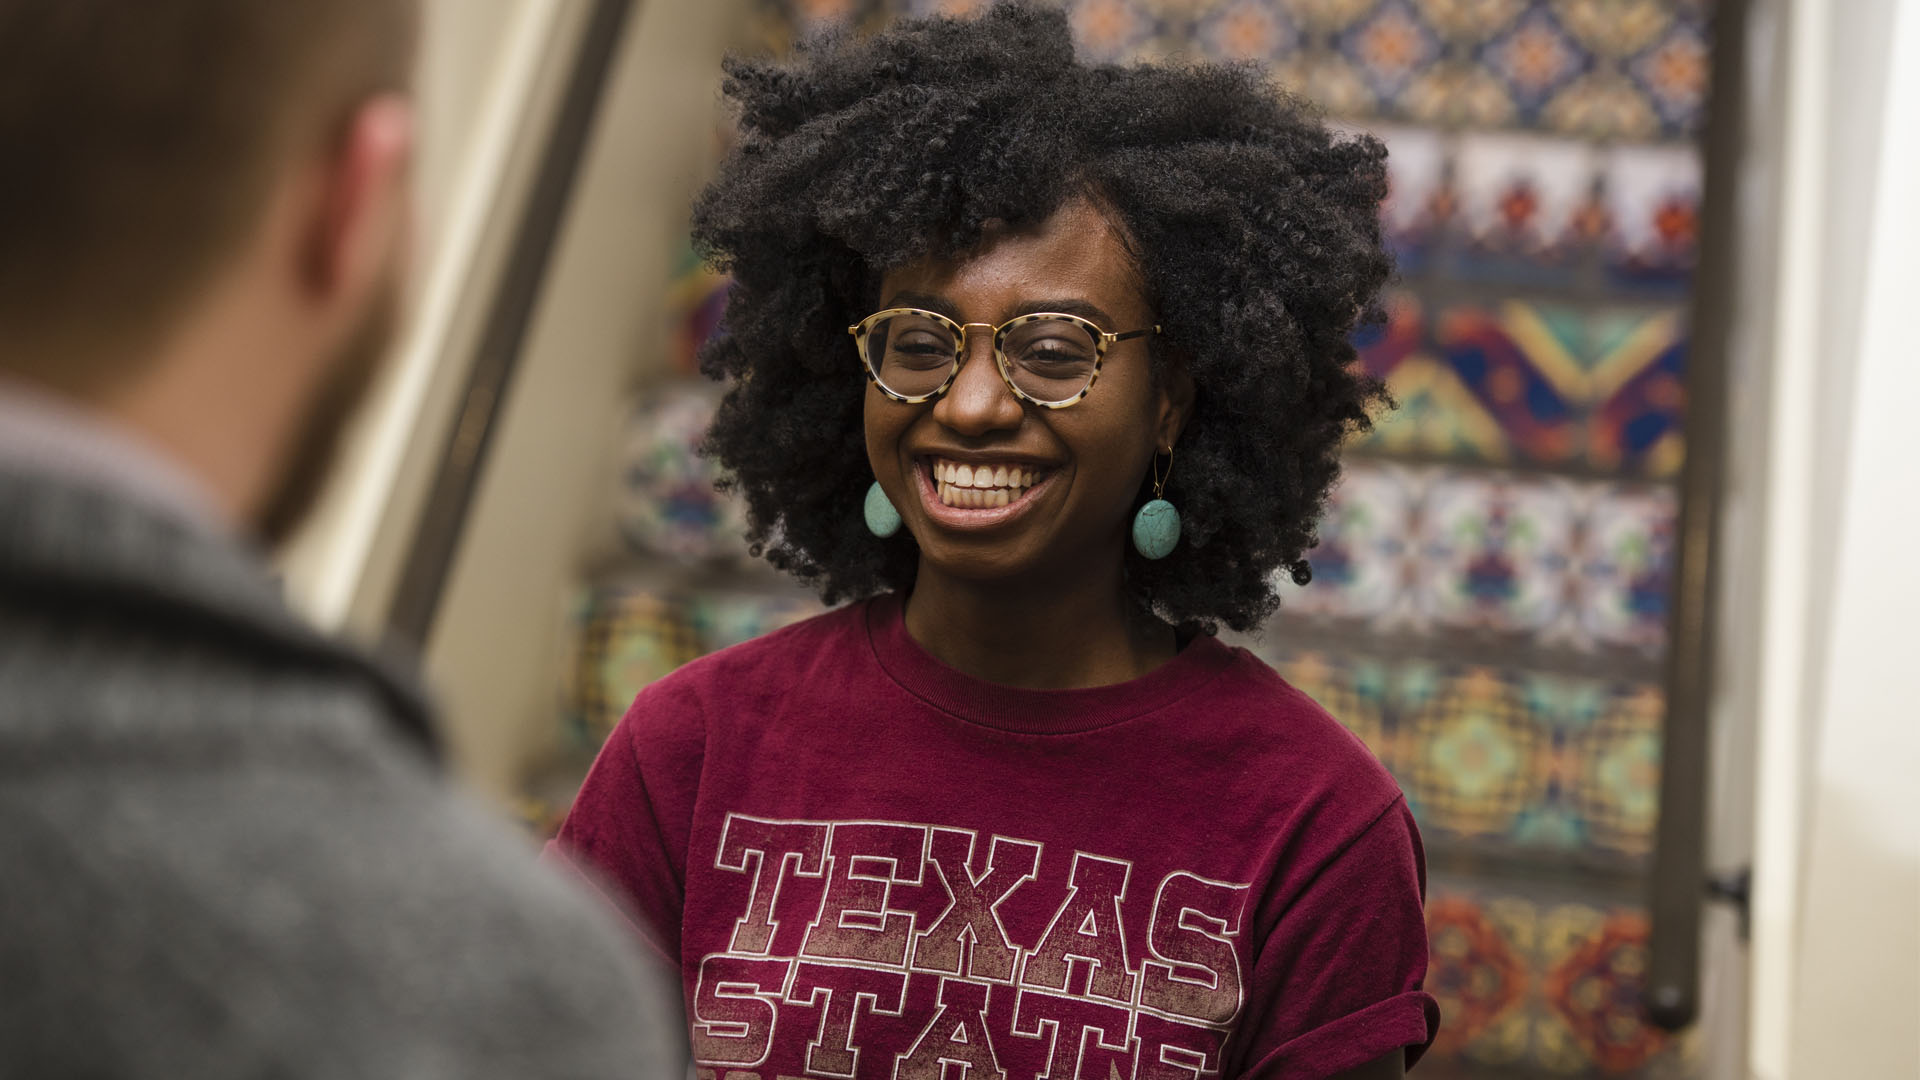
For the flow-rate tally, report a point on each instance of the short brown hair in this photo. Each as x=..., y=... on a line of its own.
x=139, y=141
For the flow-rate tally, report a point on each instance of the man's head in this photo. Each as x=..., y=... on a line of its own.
x=203, y=220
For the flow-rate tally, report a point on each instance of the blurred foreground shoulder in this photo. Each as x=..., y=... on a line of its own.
x=344, y=915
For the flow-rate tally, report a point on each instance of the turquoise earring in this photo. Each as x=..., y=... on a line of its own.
x=1156, y=526
x=882, y=519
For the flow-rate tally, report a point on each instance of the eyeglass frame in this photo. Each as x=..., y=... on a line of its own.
x=1102, y=341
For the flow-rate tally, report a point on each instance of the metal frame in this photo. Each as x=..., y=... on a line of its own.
x=1678, y=886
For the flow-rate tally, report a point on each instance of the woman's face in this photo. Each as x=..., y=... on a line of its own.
x=1062, y=510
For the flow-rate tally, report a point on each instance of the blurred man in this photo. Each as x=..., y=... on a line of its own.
x=224, y=851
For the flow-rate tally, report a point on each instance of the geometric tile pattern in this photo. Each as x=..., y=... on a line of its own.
x=665, y=504
x=1431, y=549
x=696, y=298
x=1597, y=69
x=1537, y=383
x=622, y=640
x=626, y=635
x=1531, y=985
x=1534, y=210
x=1500, y=761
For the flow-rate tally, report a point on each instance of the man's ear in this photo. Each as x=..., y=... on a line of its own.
x=361, y=218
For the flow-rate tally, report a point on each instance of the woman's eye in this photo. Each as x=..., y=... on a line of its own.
x=920, y=354
x=1052, y=355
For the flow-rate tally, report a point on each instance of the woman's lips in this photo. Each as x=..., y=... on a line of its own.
x=972, y=495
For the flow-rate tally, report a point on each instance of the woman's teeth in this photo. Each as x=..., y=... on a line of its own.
x=981, y=485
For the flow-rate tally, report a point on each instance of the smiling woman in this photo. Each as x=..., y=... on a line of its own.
x=1242, y=228
x=1102, y=316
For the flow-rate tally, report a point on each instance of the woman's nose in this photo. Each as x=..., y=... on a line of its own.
x=979, y=400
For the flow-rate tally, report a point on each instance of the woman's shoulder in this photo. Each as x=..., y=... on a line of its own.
x=1280, y=730
x=771, y=663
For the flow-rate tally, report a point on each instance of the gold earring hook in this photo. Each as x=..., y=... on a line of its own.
x=1160, y=478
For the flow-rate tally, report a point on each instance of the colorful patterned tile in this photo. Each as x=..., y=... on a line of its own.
x=721, y=619
x=1493, y=552
x=1399, y=337
x=1639, y=391
x=1336, y=84
x=1420, y=199
x=1496, y=761
x=1582, y=566
x=1673, y=72
x=1436, y=415
x=1534, y=57
x=1615, y=28
x=1480, y=973
x=1260, y=30
x=798, y=18
x=1624, y=568
x=1525, y=367
x=1468, y=751
x=1598, y=69
x=1389, y=47
x=696, y=298
x=1359, y=566
x=1653, y=199
x=666, y=503
x=626, y=634
x=1594, y=965
x=624, y=638
x=1615, y=789
x=1601, y=388
x=1456, y=95
x=1111, y=30
x=1602, y=105
x=1541, y=986
x=1469, y=22
x=949, y=8
x=1328, y=17
x=1523, y=197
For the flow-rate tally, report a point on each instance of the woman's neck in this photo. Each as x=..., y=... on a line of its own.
x=1038, y=639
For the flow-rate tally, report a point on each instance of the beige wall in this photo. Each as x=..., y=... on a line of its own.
x=489, y=77
x=485, y=71
x=494, y=652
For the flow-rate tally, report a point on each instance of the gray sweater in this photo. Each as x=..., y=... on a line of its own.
x=225, y=850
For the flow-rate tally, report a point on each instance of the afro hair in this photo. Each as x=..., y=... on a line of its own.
x=1254, y=226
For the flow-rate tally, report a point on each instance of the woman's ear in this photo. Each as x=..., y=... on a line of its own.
x=1175, y=405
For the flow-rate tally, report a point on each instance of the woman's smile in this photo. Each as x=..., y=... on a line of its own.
x=976, y=493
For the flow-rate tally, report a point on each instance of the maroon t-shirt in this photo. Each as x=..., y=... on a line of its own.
x=868, y=864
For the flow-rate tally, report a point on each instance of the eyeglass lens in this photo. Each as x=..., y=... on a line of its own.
x=1049, y=359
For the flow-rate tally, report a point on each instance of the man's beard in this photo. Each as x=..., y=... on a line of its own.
x=310, y=458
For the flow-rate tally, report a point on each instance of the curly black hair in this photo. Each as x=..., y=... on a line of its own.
x=1254, y=226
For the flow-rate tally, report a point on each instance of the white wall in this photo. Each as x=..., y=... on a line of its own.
x=1858, y=983
x=1831, y=673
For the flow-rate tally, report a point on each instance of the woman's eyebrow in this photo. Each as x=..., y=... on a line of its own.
x=945, y=306
x=1083, y=308
x=926, y=301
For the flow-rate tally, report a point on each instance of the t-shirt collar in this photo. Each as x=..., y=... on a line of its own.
x=1042, y=712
